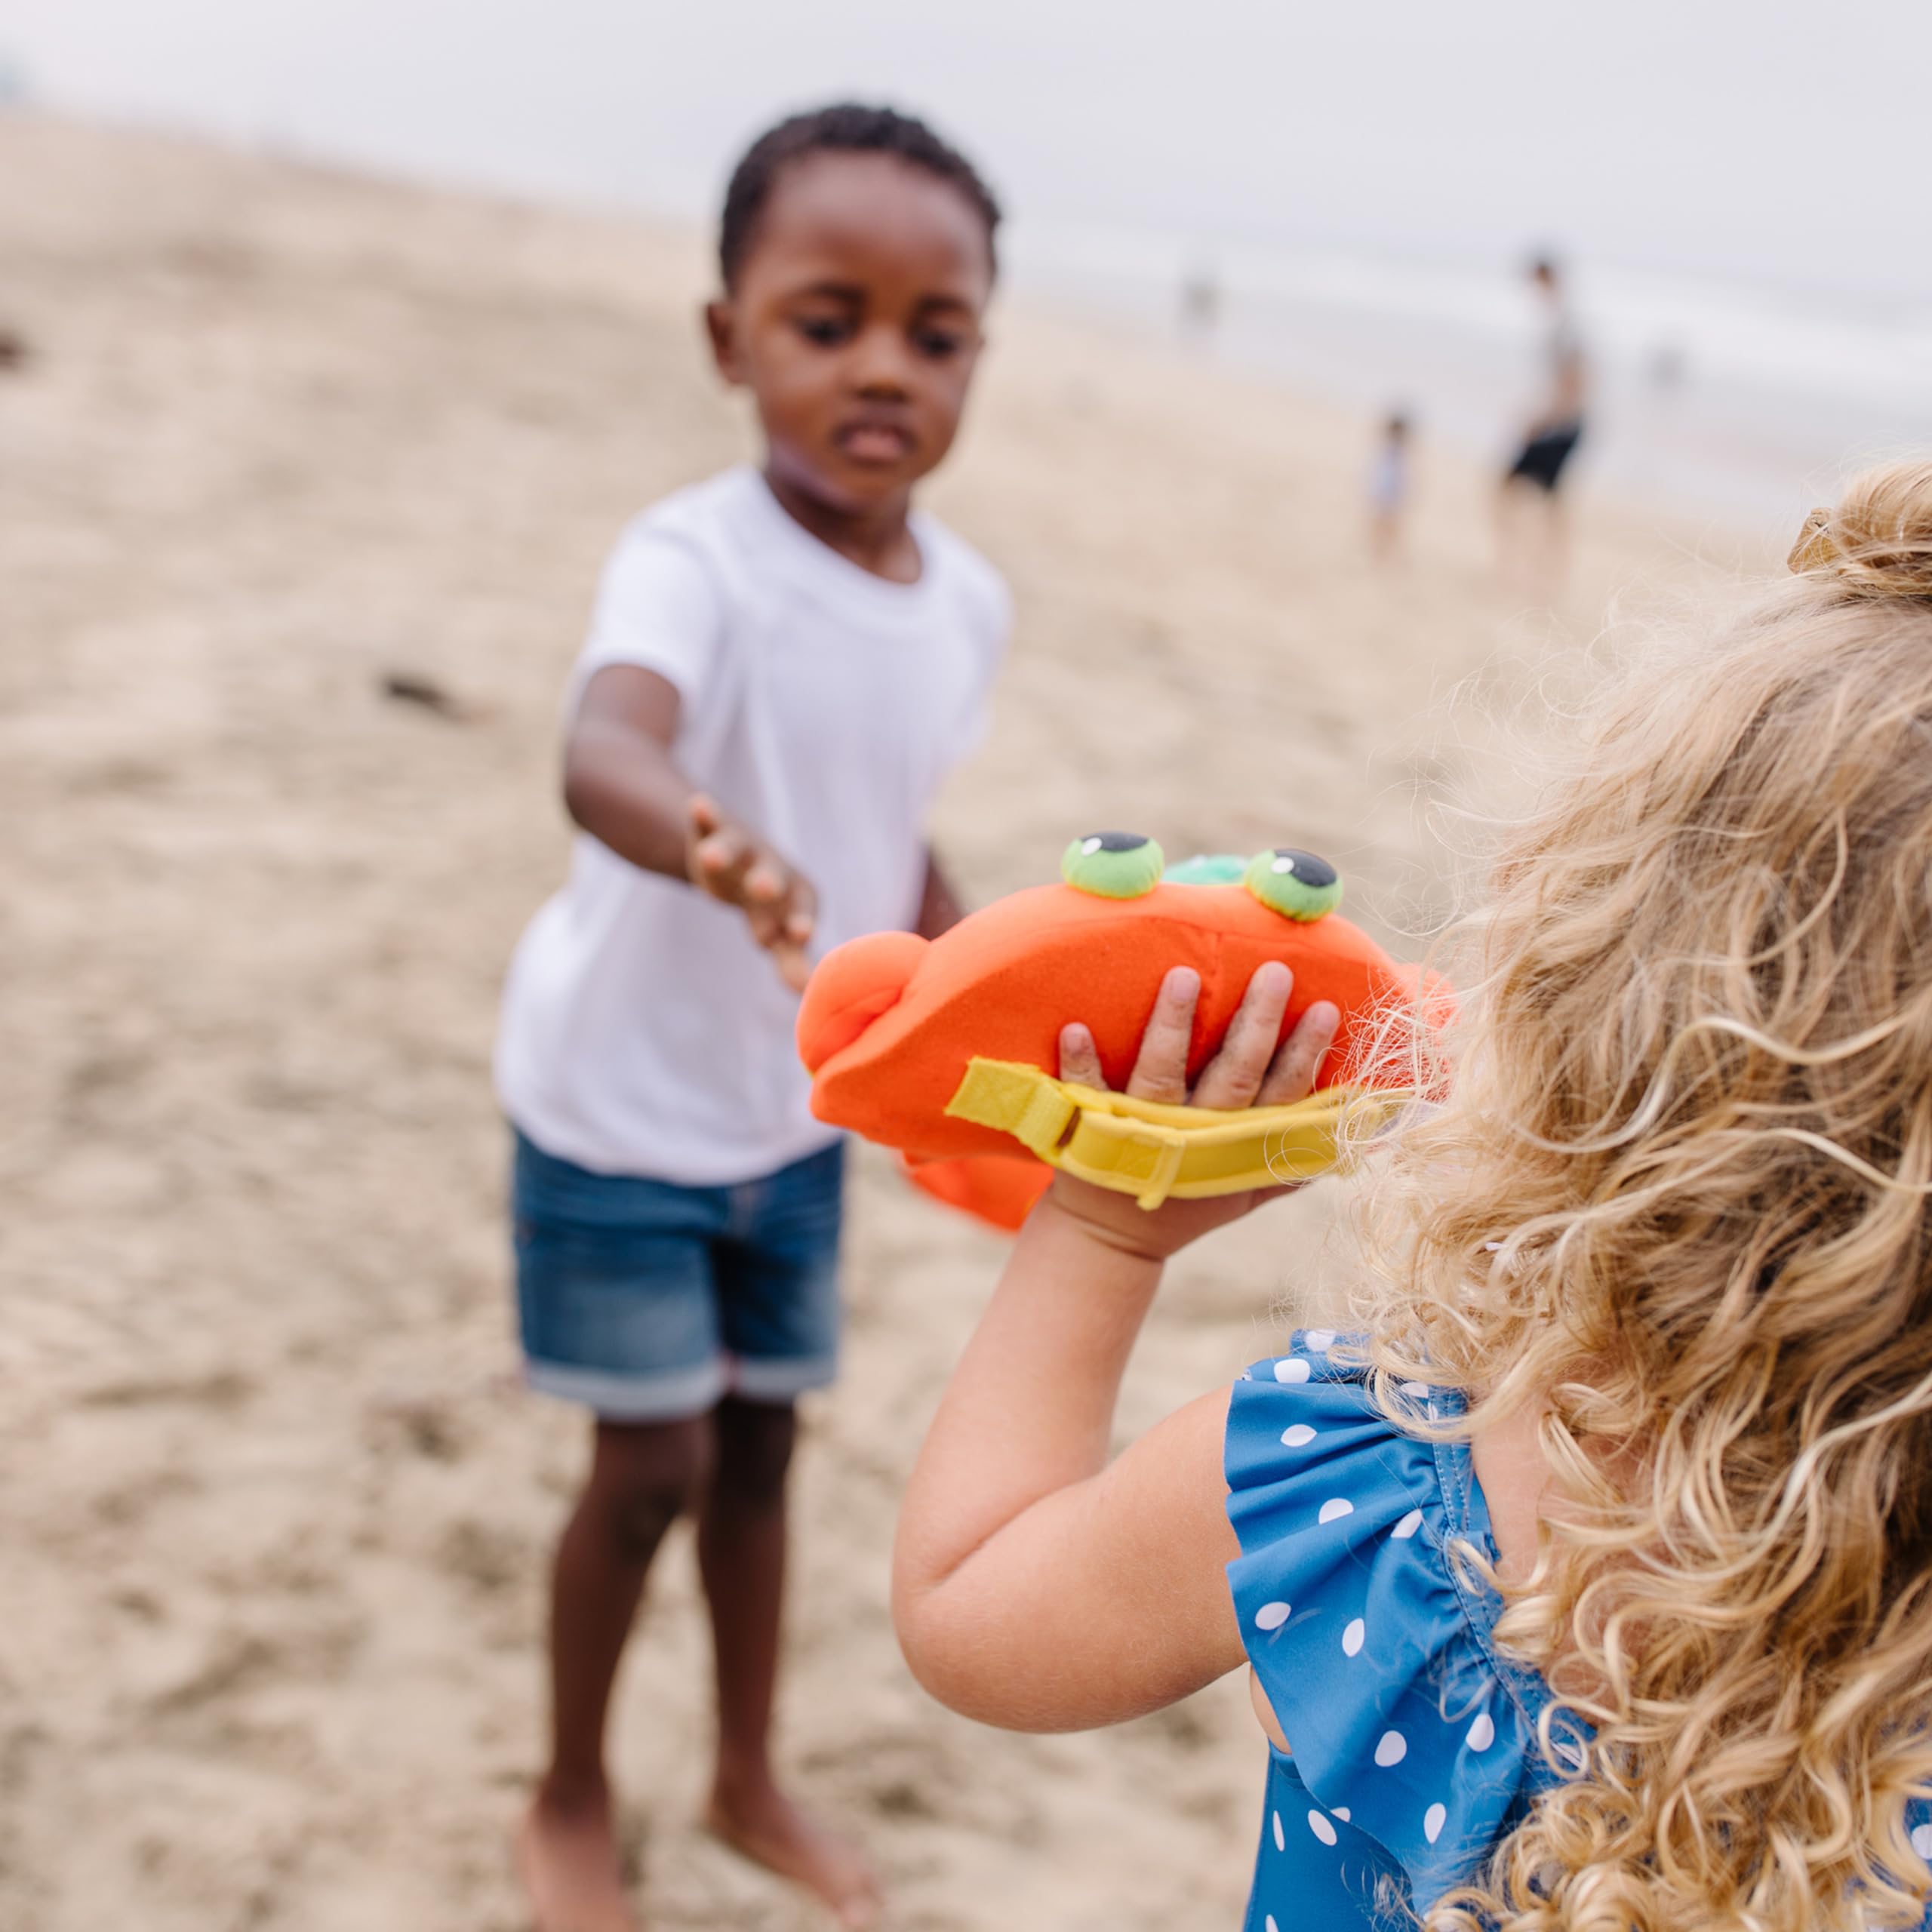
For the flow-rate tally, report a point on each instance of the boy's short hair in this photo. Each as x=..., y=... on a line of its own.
x=846, y=128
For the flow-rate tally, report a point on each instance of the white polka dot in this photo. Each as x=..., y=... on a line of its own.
x=1391, y=1749
x=1321, y=1827
x=1407, y=1527
x=1268, y=1922
x=1281, y=1836
x=1295, y=1437
x=1921, y=1841
x=1482, y=1732
x=1336, y=1506
x=1291, y=1370
x=1352, y=1636
x=1342, y=1812
x=1271, y=1616
x=1416, y=1391
x=1433, y=1820
x=1320, y=1339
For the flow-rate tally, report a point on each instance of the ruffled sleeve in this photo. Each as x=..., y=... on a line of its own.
x=1373, y=1645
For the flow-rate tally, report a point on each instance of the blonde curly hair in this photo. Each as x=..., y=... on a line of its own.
x=1687, y=1148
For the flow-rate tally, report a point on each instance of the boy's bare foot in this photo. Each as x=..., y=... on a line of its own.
x=567, y=1857
x=761, y=1823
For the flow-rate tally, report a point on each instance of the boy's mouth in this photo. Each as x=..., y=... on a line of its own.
x=871, y=442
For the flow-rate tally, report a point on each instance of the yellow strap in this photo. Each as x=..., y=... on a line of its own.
x=1153, y=1150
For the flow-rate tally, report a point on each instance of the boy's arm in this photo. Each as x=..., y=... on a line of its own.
x=940, y=908
x=622, y=785
x=620, y=782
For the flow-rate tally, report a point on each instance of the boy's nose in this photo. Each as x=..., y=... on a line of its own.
x=882, y=367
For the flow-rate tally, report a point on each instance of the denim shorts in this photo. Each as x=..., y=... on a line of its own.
x=647, y=1301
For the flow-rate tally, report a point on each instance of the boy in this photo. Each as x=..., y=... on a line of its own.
x=783, y=664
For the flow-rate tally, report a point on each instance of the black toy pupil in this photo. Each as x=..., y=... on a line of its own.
x=1309, y=869
x=1116, y=841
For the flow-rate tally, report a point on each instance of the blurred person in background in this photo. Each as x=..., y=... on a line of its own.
x=1531, y=524
x=1200, y=302
x=784, y=663
x=1388, y=486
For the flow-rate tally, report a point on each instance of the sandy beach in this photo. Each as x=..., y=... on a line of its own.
x=274, y=1515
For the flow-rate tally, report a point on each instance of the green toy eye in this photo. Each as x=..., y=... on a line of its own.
x=1112, y=865
x=1293, y=883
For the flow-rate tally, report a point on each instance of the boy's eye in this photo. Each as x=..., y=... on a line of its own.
x=938, y=343
x=827, y=331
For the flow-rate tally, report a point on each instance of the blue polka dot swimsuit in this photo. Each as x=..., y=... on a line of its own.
x=1414, y=1742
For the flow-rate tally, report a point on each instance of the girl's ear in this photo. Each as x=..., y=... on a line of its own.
x=721, y=327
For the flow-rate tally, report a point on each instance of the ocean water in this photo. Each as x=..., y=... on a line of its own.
x=1737, y=182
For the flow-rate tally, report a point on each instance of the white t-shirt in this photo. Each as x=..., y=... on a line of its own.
x=643, y=1031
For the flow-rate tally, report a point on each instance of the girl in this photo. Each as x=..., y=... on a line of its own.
x=1590, y=1585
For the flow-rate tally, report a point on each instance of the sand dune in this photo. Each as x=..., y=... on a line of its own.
x=274, y=1515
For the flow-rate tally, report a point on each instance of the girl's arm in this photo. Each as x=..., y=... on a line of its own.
x=1035, y=1586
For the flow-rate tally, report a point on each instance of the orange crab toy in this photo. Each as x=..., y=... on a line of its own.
x=947, y=1049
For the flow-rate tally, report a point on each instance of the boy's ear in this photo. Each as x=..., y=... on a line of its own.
x=721, y=327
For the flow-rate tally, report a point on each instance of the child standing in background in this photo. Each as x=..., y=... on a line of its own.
x=784, y=664
x=1389, y=486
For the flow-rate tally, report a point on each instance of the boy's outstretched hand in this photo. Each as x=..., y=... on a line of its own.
x=726, y=861
x=1249, y=1071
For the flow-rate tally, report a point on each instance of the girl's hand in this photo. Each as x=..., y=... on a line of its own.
x=1249, y=1071
x=726, y=861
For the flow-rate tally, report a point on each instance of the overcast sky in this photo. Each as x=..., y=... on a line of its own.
x=1759, y=137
